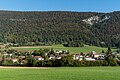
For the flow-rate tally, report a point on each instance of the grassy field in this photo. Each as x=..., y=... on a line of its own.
x=84, y=49
x=63, y=73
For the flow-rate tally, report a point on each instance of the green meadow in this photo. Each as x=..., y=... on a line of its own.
x=62, y=73
x=84, y=49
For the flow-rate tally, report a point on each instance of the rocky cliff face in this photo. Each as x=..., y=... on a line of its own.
x=95, y=19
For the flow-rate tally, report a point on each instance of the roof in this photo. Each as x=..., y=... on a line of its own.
x=37, y=57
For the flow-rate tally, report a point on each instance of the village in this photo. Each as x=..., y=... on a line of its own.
x=11, y=56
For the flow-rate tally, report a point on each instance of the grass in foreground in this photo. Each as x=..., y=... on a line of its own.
x=63, y=73
x=84, y=49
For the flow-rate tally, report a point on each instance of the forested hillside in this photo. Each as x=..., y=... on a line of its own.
x=72, y=28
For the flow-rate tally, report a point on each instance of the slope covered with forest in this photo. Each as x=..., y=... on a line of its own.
x=73, y=28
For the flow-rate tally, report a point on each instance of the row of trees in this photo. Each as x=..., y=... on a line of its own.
x=63, y=62
x=68, y=61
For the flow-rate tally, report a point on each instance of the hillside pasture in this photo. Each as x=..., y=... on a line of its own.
x=84, y=49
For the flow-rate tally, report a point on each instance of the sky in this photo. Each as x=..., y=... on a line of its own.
x=61, y=5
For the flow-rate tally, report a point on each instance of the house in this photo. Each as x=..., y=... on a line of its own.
x=2, y=46
x=60, y=51
x=46, y=54
x=4, y=53
x=10, y=54
x=89, y=59
x=23, y=62
x=58, y=57
x=14, y=60
x=78, y=57
x=102, y=56
x=0, y=59
x=52, y=57
x=74, y=57
x=62, y=55
x=93, y=52
x=96, y=56
x=22, y=57
x=38, y=58
x=8, y=59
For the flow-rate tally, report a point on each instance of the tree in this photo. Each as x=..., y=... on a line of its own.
x=3, y=60
x=110, y=57
x=103, y=51
x=67, y=60
x=109, y=54
x=31, y=62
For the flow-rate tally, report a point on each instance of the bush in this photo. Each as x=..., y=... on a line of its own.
x=76, y=63
x=40, y=64
x=83, y=63
x=31, y=62
x=98, y=63
x=57, y=63
x=67, y=61
x=113, y=62
x=74, y=44
x=104, y=63
x=49, y=63
x=118, y=62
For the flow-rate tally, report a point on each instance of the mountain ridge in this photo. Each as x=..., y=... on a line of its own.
x=58, y=27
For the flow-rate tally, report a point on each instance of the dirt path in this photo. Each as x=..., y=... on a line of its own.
x=32, y=47
x=9, y=67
